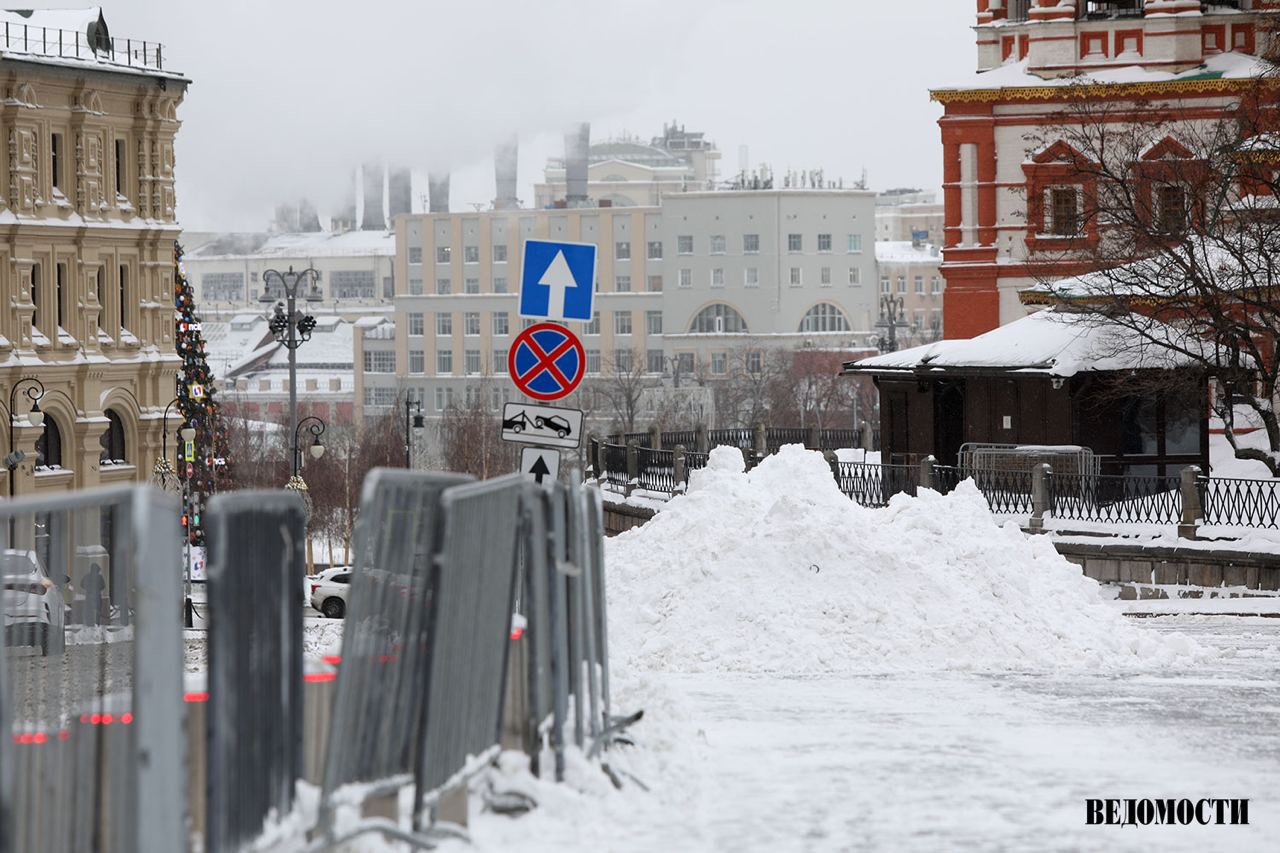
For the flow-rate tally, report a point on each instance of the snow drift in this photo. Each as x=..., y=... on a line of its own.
x=776, y=571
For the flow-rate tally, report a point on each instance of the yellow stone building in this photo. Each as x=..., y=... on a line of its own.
x=87, y=229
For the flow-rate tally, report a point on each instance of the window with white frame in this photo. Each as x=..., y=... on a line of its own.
x=750, y=244
x=824, y=317
x=718, y=319
x=593, y=361
x=902, y=284
x=686, y=278
x=471, y=285
x=935, y=285
x=622, y=322
x=751, y=277
x=501, y=324
x=417, y=361
x=654, y=250
x=755, y=362
x=415, y=287
x=653, y=322
x=717, y=244
x=855, y=244
x=719, y=363
x=500, y=361
x=623, y=361
x=684, y=244
x=855, y=276
x=472, y=362
x=795, y=243
x=796, y=278
x=499, y=284
x=471, y=323
x=415, y=254
x=444, y=323
x=653, y=361
x=717, y=277
x=444, y=254
x=919, y=283
x=444, y=286
x=444, y=361
x=417, y=327
x=379, y=361
x=824, y=242
x=654, y=284
x=622, y=250
x=471, y=254
x=824, y=276
x=593, y=327
x=884, y=284
x=499, y=253
x=622, y=284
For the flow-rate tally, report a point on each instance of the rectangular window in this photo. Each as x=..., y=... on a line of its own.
x=751, y=244
x=415, y=254
x=444, y=323
x=622, y=322
x=622, y=361
x=472, y=362
x=935, y=285
x=902, y=284
x=417, y=326
x=655, y=284
x=884, y=284
x=755, y=362
x=824, y=276
x=222, y=286
x=795, y=243
x=855, y=244
x=415, y=287
x=684, y=244
x=124, y=293
x=919, y=284
x=796, y=279
x=121, y=167
x=501, y=325
x=499, y=361
x=751, y=277
x=684, y=363
x=471, y=285
x=1171, y=209
x=471, y=254
x=60, y=294
x=717, y=277
x=439, y=399
x=824, y=242
x=499, y=253
x=686, y=278
x=353, y=284
x=622, y=250
x=379, y=396
x=593, y=328
x=56, y=156
x=719, y=363
x=717, y=244
x=593, y=361
x=417, y=361
x=622, y=284
x=855, y=276
x=653, y=361
x=653, y=322
x=444, y=286
x=1064, y=209
x=379, y=361
x=444, y=361
x=471, y=323
x=654, y=252
x=443, y=254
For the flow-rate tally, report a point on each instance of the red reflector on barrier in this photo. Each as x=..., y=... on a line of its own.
x=126, y=718
x=108, y=719
x=517, y=633
x=195, y=697
x=64, y=735
x=333, y=660
x=316, y=677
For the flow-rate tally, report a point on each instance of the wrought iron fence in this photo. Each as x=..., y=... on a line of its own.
x=656, y=470
x=686, y=437
x=1240, y=503
x=837, y=439
x=776, y=437
x=615, y=466
x=1115, y=499
x=874, y=485
x=742, y=439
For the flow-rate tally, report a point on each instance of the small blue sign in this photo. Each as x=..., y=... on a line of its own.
x=557, y=281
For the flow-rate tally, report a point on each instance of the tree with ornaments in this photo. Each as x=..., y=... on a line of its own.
x=204, y=468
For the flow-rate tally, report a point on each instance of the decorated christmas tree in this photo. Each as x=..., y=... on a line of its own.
x=204, y=467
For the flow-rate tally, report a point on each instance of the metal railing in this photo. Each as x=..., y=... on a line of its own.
x=874, y=485
x=773, y=438
x=657, y=470
x=74, y=44
x=1115, y=499
x=1240, y=503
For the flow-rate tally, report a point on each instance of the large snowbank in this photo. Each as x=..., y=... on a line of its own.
x=775, y=571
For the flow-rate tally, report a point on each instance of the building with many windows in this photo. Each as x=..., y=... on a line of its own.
x=87, y=256
x=911, y=281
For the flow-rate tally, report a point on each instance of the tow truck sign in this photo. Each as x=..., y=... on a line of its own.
x=548, y=426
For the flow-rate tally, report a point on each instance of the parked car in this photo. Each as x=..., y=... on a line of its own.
x=309, y=582
x=329, y=596
x=34, y=612
x=555, y=423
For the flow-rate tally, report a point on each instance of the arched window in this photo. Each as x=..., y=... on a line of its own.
x=825, y=317
x=49, y=445
x=112, y=441
x=718, y=319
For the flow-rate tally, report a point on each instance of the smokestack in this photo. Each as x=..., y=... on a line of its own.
x=505, y=163
x=577, y=142
x=399, y=192
x=438, y=192
x=373, y=175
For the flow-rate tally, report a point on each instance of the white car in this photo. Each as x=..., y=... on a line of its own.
x=309, y=582
x=33, y=607
x=329, y=596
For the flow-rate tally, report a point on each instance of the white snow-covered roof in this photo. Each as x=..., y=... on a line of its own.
x=317, y=244
x=1051, y=341
x=906, y=252
x=1017, y=75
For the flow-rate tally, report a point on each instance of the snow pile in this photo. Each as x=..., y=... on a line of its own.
x=776, y=571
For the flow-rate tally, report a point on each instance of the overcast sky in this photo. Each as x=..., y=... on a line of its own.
x=288, y=95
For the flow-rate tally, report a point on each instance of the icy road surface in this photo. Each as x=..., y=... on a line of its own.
x=953, y=761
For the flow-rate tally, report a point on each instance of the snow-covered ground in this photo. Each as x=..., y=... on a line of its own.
x=816, y=676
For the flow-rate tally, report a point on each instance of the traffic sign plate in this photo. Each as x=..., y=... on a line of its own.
x=557, y=280
x=546, y=425
x=546, y=361
x=541, y=463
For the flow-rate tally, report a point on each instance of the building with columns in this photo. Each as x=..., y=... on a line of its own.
x=87, y=231
x=1012, y=211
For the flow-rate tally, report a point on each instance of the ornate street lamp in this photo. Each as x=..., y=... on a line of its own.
x=893, y=316
x=163, y=474
x=414, y=424
x=292, y=329
x=33, y=392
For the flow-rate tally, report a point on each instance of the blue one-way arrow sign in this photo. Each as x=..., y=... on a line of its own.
x=557, y=281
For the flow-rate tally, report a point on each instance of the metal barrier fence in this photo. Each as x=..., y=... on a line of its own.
x=91, y=674
x=1117, y=499
x=254, y=710
x=874, y=485
x=1240, y=503
x=657, y=470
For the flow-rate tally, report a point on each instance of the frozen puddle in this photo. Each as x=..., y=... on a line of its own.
x=939, y=761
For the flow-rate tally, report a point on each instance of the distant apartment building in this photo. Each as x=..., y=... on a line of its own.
x=86, y=262
x=356, y=269
x=911, y=272
x=910, y=215
x=679, y=287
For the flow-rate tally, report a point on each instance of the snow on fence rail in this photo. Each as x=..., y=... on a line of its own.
x=1098, y=498
x=768, y=438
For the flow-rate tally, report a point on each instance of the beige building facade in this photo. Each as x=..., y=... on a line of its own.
x=87, y=231
x=912, y=273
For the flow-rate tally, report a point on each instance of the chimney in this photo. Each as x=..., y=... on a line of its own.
x=577, y=142
x=373, y=176
x=438, y=192
x=505, y=163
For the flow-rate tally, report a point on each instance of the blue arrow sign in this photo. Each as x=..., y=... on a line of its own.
x=557, y=281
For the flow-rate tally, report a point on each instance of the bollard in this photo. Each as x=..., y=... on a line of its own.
x=1039, y=496
x=593, y=456
x=813, y=441
x=760, y=441
x=865, y=439
x=633, y=468
x=655, y=438
x=679, y=469
x=1192, y=511
x=701, y=441
x=834, y=462
x=926, y=473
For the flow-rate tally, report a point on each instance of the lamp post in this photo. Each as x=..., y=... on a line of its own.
x=33, y=392
x=893, y=315
x=417, y=423
x=163, y=474
x=316, y=427
x=187, y=433
x=292, y=329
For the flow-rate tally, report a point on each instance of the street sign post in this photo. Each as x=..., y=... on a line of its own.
x=546, y=362
x=550, y=426
x=557, y=280
x=541, y=463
